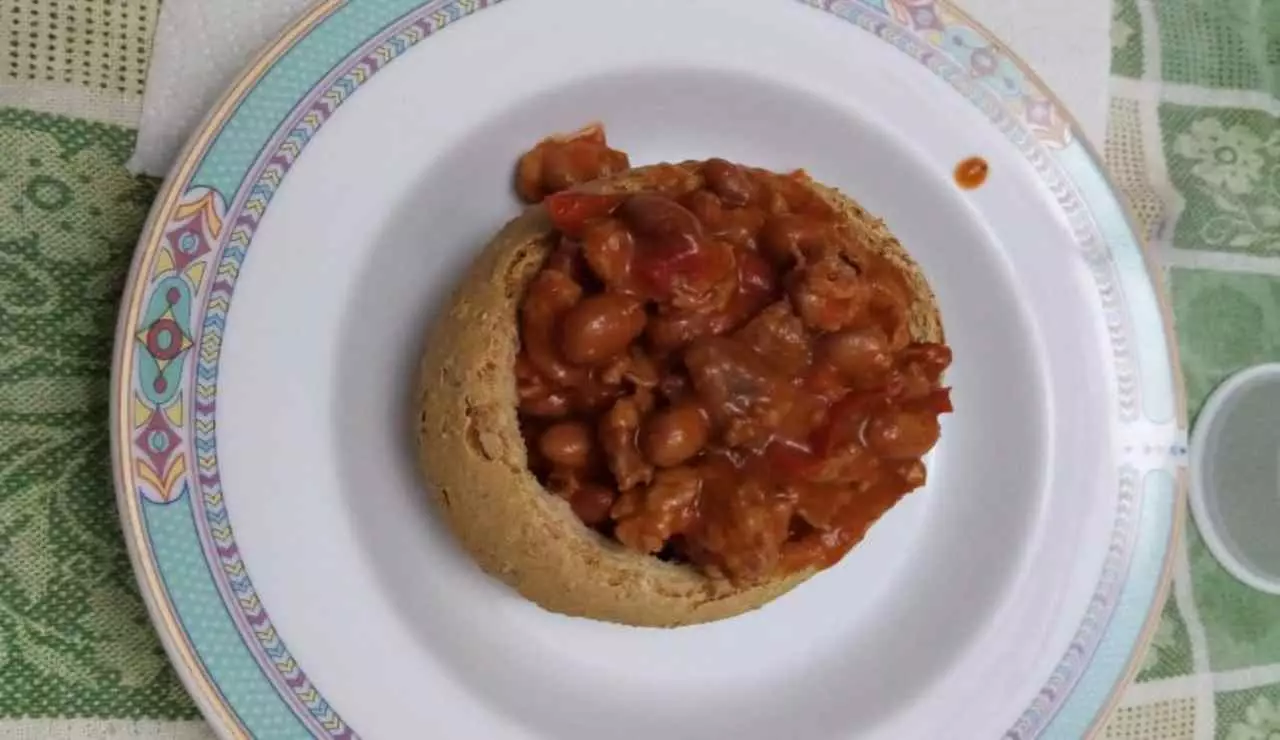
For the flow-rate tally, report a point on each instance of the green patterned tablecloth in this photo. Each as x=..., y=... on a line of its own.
x=1194, y=140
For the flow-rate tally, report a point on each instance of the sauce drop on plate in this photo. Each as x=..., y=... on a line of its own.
x=971, y=172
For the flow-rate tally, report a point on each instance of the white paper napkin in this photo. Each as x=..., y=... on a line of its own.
x=200, y=47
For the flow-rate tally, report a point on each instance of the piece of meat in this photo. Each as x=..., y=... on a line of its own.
x=618, y=430
x=818, y=504
x=647, y=517
x=559, y=162
x=779, y=336
x=829, y=294
x=746, y=398
x=744, y=525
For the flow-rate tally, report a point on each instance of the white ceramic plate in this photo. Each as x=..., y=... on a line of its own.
x=271, y=328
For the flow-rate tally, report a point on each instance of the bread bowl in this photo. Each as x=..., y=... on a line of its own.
x=479, y=463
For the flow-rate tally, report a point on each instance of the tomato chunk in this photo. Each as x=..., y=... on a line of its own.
x=570, y=211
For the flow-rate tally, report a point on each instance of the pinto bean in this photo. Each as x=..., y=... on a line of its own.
x=600, y=328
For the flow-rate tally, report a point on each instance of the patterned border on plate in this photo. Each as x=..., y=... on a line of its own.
x=267, y=174
x=188, y=238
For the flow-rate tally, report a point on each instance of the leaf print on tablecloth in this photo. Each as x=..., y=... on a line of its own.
x=1268, y=215
x=25, y=288
x=46, y=648
x=1229, y=161
x=126, y=644
x=45, y=557
x=74, y=639
x=1226, y=166
x=1126, y=39
x=71, y=622
x=1231, y=231
x=1169, y=654
x=1121, y=32
x=77, y=198
x=1261, y=722
x=1229, y=158
x=24, y=532
x=1165, y=638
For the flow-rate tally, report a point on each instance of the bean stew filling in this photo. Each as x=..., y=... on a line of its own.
x=715, y=370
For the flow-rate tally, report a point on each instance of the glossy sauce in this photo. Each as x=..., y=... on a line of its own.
x=972, y=172
x=713, y=371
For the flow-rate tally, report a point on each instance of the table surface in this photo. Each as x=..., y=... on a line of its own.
x=1181, y=94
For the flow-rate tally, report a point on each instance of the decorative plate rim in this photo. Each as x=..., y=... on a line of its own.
x=185, y=208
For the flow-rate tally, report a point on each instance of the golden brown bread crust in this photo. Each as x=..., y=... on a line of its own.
x=472, y=453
